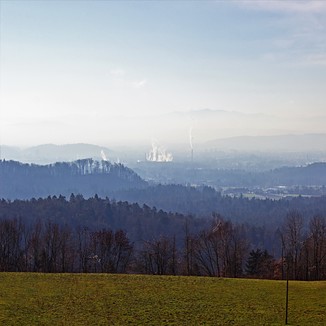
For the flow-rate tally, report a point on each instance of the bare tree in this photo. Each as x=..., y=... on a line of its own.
x=293, y=240
x=317, y=238
x=11, y=252
x=159, y=256
x=35, y=244
x=111, y=250
x=220, y=250
x=206, y=253
x=188, y=265
x=84, y=249
x=239, y=248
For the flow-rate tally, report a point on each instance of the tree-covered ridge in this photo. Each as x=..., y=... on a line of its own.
x=233, y=175
x=86, y=176
x=141, y=222
x=202, y=201
x=78, y=167
x=89, y=177
x=102, y=235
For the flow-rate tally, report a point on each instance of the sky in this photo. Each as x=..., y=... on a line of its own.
x=104, y=71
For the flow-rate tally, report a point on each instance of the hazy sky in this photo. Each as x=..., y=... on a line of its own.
x=71, y=70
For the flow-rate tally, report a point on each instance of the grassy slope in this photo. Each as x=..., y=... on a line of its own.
x=98, y=299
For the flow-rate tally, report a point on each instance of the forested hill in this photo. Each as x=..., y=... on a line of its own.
x=87, y=177
x=202, y=201
x=260, y=219
x=140, y=222
x=311, y=175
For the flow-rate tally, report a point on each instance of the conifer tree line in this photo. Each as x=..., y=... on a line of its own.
x=38, y=236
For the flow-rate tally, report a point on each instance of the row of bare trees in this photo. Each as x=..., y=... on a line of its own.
x=51, y=248
x=304, y=252
x=224, y=250
x=221, y=250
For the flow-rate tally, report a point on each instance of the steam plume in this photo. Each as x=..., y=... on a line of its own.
x=104, y=158
x=158, y=154
x=191, y=138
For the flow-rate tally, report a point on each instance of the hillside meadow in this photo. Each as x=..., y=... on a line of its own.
x=108, y=299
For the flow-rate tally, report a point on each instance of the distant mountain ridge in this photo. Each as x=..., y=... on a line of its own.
x=288, y=143
x=50, y=153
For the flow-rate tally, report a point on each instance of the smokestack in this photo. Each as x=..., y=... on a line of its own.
x=191, y=138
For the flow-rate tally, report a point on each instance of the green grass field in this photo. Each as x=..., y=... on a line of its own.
x=100, y=299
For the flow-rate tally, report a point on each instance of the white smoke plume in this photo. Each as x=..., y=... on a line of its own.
x=104, y=158
x=158, y=154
